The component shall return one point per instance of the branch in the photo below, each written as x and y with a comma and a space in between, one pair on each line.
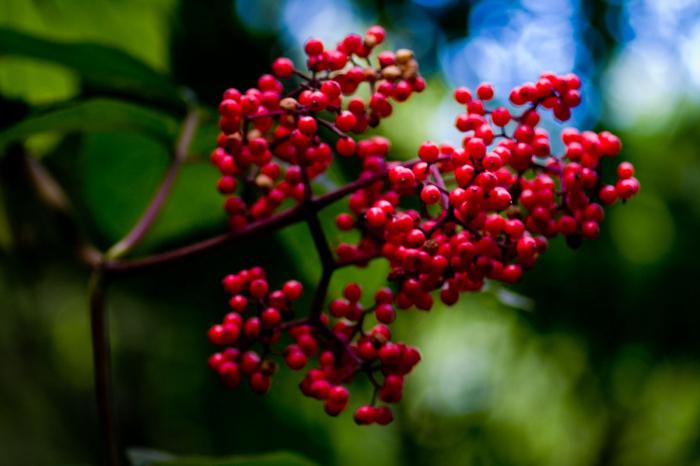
288, 217
144, 224
101, 367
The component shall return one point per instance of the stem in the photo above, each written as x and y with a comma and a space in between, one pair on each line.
288, 217
154, 207
101, 365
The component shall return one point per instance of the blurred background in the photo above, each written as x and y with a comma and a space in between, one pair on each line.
594, 359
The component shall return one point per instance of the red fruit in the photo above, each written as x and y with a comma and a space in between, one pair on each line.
365, 415
313, 47
259, 288
345, 121
270, 317
430, 194
292, 290
295, 359
385, 313
429, 152
485, 91
462, 95
346, 146
259, 382
283, 67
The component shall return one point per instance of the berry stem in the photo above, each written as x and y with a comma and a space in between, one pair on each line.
149, 216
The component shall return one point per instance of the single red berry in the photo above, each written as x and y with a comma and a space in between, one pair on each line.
430, 194
346, 146
352, 292
313, 47
345, 121
462, 95
270, 317
283, 67
500, 116
365, 415
429, 152
625, 170
259, 288
485, 91
292, 290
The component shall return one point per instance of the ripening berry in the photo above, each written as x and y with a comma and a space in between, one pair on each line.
430, 194
374, 36
485, 91
283, 67
429, 152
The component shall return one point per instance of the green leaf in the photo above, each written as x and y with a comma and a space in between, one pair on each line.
268, 459
99, 65
95, 115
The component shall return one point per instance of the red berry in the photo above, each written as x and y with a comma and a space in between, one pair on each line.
429, 152
292, 290
462, 95
485, 91
345, 121
313, 47
283, 67
430, 194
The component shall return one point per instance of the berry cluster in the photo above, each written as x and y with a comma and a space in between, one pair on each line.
270, 141
488, 208
262, 317
256, 314
446, 222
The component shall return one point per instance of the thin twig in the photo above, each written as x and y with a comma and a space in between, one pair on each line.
154, 207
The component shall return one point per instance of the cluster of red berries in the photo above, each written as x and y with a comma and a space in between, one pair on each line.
270, 142
262, 317
256, 315
487, 208
446, 221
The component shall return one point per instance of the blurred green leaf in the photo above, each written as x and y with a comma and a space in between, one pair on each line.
95, 115
102, 66
270, 459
